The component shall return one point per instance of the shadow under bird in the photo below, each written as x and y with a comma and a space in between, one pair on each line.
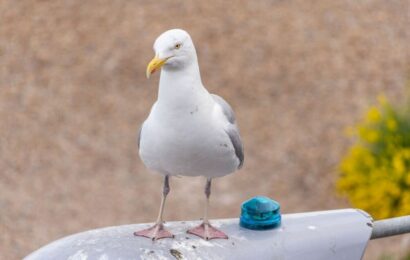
189, 131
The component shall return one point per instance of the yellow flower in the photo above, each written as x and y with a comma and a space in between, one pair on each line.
391, 124
407, 179
373, 115
398, 164
372, 136
375, 173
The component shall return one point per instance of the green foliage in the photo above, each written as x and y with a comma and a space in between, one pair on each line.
375, 173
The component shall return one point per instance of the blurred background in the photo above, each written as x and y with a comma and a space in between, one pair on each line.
73, 95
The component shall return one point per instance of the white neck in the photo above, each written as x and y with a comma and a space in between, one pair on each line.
181, 89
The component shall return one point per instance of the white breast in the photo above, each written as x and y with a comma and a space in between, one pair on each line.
191, 142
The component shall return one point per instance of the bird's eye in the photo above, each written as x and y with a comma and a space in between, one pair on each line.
178, 45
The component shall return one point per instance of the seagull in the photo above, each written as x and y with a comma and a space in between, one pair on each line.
189, 131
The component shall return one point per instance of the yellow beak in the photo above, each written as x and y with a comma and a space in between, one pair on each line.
155, 64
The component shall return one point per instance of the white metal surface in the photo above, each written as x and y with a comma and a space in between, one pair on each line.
336, 234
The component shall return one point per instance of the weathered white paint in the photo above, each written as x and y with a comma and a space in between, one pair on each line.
336, 234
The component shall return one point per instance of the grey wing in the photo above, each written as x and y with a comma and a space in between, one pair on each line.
232, 130
226, 108
139, 135
235, 138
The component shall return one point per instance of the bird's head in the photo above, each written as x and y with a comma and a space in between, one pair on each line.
174, 50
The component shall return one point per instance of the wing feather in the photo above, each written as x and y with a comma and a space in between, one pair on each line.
232, 130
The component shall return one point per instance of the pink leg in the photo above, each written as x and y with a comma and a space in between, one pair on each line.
155, 232
206, 230
158, 231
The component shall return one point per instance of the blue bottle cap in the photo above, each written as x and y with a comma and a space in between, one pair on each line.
260, 213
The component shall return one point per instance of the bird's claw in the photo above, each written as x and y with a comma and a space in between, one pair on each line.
155, 232
207, 232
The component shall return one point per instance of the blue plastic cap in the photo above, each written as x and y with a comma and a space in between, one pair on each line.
260, 213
